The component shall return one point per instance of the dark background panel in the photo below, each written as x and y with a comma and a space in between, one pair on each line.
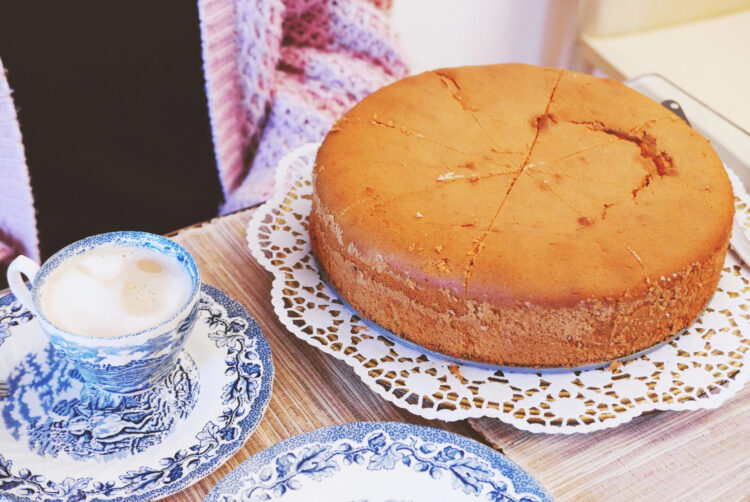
112, 107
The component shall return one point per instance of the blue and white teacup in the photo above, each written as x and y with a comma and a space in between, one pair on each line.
122, 364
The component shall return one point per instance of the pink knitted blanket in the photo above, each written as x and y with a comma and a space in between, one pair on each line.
279, 73
17, 218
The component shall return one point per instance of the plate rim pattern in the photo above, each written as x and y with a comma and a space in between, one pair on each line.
358, 431
224, 450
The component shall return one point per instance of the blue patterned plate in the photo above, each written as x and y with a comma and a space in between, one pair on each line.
378, 462
61, 441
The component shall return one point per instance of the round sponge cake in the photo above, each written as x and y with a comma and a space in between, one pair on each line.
519, 215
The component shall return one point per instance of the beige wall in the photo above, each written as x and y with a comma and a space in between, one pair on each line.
438, 33
614, 17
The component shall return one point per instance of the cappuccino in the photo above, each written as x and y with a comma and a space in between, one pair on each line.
114, 290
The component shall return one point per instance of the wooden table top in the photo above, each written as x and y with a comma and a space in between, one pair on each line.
688, 455
662, 456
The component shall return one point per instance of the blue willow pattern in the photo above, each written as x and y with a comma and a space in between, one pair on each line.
12, 315
245, 367
53, 408
379, 452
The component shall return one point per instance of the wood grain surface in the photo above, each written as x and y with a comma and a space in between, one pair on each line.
671, 455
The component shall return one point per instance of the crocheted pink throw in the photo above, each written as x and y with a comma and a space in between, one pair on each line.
279, 73
17, 219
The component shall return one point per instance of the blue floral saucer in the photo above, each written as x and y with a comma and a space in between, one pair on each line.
60, 440
378, 462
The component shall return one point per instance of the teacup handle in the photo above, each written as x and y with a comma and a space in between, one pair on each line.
22, 265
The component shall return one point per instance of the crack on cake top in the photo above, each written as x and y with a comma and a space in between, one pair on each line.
452, 177
393, 125
390, 124
540, 123
453, 87
640, 264
663, 165
645, 181
378, 202
545, 185
660, 163
552, 162
661, 160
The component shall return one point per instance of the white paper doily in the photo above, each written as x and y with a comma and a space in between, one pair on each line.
701, 368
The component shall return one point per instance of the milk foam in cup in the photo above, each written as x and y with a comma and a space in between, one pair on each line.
114, 290
119, 306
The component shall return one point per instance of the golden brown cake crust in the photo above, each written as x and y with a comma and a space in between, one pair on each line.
520, 215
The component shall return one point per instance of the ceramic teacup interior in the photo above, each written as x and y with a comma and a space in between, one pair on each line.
119, 306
